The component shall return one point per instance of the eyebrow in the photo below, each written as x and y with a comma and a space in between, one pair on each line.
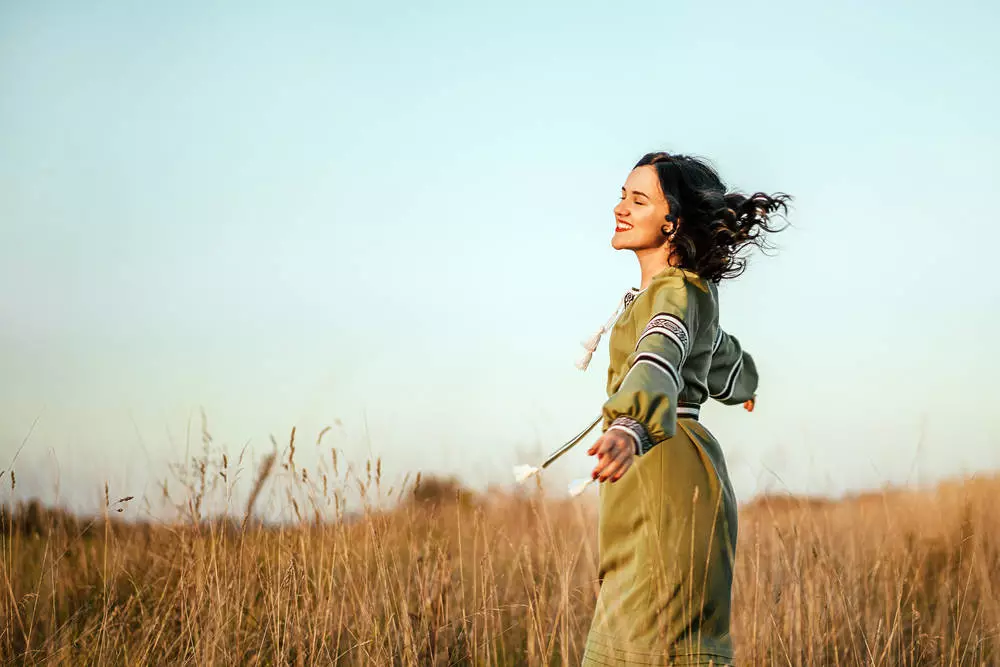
637, 192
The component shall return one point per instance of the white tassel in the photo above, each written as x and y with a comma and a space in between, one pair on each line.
523, 472
590, 345
578, 486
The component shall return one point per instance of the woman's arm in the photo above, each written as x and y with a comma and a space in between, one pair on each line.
732, 377
645, 403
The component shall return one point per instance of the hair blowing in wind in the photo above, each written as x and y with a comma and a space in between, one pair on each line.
712, 226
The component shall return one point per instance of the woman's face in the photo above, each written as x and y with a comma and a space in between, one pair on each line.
641, 214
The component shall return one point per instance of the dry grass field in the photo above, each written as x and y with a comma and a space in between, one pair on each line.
442, 576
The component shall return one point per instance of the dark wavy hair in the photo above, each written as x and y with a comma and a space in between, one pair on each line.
710, 227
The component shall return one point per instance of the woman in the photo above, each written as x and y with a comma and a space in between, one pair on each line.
668, 517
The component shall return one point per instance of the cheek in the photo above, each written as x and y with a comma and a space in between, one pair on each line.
648, 222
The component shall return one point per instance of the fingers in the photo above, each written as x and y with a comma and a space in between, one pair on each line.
615, 454
604, 459
607, 443
615, 457
612, 468
603, 444
625, 466
599, 468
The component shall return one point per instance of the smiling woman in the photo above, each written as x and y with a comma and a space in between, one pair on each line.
668, 515
716, 230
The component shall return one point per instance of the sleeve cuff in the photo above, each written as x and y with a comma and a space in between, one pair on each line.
643, 443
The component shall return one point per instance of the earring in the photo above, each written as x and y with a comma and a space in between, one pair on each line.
672, 219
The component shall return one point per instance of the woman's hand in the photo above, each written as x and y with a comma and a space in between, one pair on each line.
615, 452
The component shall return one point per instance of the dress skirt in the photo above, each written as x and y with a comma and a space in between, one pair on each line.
667, 540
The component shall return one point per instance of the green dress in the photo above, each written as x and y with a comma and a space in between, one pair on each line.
667, 528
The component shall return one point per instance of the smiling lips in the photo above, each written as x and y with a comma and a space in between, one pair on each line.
621, 225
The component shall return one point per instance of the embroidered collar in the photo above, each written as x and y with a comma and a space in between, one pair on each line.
631, 295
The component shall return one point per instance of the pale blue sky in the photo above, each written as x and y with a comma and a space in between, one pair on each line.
398, 215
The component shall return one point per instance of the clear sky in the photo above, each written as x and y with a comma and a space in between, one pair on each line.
398, 215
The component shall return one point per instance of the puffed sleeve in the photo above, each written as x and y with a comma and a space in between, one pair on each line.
645, 403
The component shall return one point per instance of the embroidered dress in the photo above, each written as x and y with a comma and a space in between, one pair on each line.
667, 528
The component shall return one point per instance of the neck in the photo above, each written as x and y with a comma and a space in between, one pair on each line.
652, 261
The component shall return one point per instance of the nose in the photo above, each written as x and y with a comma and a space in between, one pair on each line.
621, 210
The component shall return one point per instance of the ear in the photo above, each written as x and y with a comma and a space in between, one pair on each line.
669, 229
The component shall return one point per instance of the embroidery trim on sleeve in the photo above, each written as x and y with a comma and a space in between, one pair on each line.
643, 443
672, 328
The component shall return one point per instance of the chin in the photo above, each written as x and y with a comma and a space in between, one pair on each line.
618, 242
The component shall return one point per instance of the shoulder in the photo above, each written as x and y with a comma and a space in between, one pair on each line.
673, 292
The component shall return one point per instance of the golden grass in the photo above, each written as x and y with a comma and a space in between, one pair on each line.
447, 577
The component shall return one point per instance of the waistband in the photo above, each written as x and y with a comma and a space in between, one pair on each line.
687, 410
